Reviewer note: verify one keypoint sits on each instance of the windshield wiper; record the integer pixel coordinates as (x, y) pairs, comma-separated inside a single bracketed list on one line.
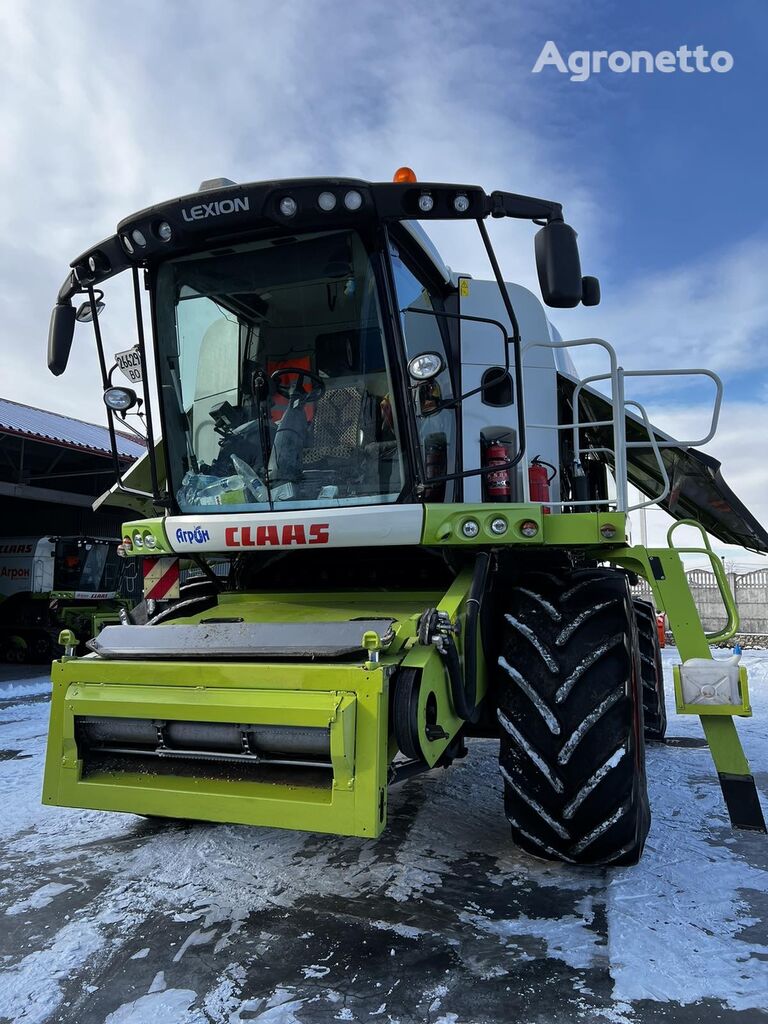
[(261, 394)]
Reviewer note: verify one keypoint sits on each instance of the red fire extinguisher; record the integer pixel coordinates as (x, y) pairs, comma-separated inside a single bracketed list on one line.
[(497, 483), (539, 480)]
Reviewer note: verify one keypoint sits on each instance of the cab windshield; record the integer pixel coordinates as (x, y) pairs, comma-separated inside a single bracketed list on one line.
[(85, 566), (274, 377)]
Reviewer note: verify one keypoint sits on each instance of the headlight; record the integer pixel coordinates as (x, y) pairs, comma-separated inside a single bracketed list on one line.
[(120, 399), (353, 200), (326, 201), (288, 206), (426, 366), (470, 528)]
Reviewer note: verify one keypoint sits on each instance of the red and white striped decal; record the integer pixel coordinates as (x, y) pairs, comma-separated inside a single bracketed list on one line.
[(161, 579)]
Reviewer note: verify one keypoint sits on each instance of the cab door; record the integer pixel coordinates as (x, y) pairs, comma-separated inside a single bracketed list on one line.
[(420, 304)]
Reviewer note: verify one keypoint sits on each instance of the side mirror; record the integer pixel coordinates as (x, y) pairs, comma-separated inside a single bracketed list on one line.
[(60, 334), (590, 291), (558, 265)]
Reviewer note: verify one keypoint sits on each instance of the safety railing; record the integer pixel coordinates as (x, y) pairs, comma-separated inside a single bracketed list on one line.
[(726, 594), (619, 448)]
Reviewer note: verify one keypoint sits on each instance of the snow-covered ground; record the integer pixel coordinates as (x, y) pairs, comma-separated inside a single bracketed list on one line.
[(113, 919)]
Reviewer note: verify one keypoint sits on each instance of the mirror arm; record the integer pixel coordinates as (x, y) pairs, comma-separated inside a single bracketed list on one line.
[(69, 288), (509, 204), (154, 475), (105, 380), (516, 341)]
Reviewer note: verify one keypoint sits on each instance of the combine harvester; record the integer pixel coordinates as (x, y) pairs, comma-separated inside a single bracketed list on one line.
[(426, 513), (52, 583)]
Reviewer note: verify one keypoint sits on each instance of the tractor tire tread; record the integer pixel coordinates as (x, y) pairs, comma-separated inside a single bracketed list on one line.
[(570, 718), (654, 703)]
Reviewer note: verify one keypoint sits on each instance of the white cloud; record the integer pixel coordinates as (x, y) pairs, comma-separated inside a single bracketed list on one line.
[(711, 313), (738, 446), (101, 116)]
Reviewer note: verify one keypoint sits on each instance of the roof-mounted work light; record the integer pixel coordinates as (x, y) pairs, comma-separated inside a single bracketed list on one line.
[(120, 399), (426, 366), (84, 314)]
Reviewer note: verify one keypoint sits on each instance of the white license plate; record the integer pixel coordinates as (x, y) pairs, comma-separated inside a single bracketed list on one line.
[(129, 364)]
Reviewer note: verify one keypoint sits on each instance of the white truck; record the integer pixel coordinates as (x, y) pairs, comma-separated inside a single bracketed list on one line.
[(26, 564)]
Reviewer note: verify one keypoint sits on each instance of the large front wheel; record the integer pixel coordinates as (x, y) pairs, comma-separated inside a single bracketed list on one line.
[(571, 718)]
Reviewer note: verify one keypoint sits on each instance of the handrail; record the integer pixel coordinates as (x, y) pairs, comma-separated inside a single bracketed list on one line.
[(685, 372), (659, 461), (617, 375), (732, 625), (617, 421)]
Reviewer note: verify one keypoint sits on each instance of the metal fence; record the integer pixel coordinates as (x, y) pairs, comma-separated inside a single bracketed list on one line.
[(750, 590)]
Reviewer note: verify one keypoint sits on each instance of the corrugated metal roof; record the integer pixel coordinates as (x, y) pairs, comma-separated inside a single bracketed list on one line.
[(41, 425)]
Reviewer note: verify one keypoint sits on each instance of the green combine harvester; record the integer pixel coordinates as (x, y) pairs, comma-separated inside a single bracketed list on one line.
[(425, 513), (52, 583)]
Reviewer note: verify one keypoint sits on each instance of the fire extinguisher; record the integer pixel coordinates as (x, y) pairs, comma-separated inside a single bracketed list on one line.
[(497, 483), (539, 480)]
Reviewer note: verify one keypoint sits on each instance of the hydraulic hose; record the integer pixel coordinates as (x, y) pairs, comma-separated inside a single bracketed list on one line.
[(474, 602), (190, 606), (450, 657), (464, 688)]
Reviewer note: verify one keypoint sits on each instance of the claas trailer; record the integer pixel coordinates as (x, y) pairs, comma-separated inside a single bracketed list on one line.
[(425, 512)]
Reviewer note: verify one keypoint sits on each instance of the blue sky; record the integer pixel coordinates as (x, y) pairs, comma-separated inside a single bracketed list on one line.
[(681, 157), (106, 108)]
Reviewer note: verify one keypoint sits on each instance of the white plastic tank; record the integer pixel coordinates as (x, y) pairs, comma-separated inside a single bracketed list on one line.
[(711, 681)]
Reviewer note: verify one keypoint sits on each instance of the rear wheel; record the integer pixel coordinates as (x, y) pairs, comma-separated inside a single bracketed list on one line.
[(15, 650), (654, 704), (571, 721)]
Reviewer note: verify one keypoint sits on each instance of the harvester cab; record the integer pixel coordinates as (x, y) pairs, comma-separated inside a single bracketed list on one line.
[(52, 583), (424, 512), (85, 568)]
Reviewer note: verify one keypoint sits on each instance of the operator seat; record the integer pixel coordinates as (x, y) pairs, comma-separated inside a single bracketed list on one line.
[(343, 423), (344, 439)]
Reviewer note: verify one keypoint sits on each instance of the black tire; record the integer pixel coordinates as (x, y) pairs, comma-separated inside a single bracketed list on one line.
[(15, 651), (571, 719), (41, 649), (404, 711), (654, 704)]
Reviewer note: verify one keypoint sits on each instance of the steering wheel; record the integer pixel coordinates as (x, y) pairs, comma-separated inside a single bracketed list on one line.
[(297, 391)]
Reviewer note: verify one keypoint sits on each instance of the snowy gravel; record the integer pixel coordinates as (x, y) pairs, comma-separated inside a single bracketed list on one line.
[(113, 919)]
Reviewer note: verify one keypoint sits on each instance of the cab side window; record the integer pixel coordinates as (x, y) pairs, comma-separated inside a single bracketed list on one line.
[(424, 331)]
